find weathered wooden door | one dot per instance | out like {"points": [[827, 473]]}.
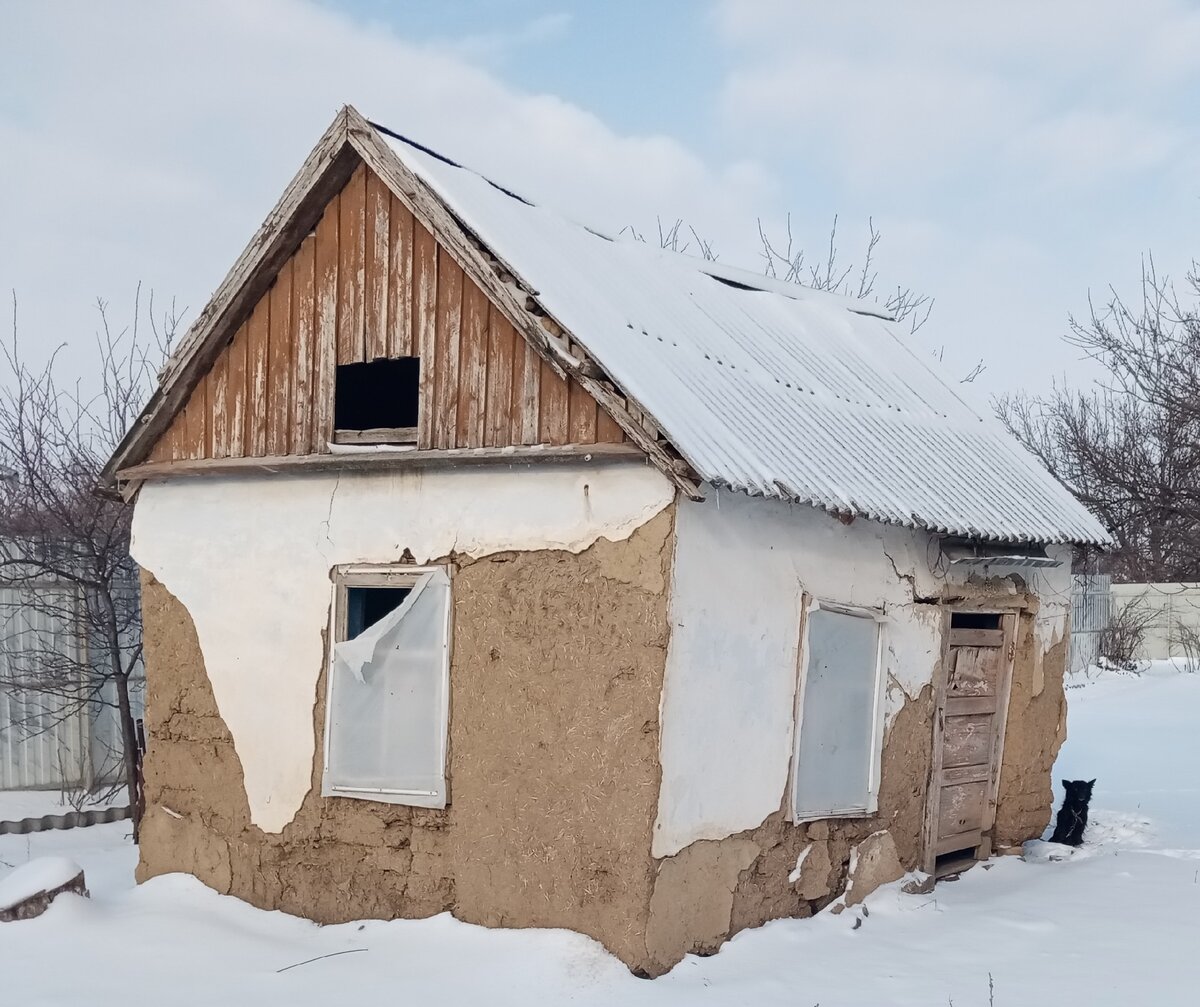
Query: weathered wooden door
{"points": [[968, 738]]}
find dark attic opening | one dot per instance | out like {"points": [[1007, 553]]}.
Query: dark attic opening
{"points": [[365, 606], [376, 402], [975, 620]]}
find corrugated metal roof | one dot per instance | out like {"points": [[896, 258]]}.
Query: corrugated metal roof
{"points": [[779, 390]]}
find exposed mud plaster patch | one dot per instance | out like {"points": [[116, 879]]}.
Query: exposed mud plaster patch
{"points": [[814, 881], [1035, 731], [875, 862], [693, 900], [250, 557], [556, 674], [764, 891]]}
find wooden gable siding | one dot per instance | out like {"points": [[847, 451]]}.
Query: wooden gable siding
{"points": [[370, 281]]}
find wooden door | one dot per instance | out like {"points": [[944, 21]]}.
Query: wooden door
{"points": [[968, 737]]}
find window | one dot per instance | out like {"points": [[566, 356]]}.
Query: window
{"points": [[388, 699], [376, 402], [839, 730]]}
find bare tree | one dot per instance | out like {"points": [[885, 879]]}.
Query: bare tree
{"points": [[785, 260], [1130, 448], [72, 630]]}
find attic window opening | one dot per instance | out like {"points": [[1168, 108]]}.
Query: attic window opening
{"points": [[975, 620], [377, 402]]}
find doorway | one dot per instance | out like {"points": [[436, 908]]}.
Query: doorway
{"points": [[968, 738]]}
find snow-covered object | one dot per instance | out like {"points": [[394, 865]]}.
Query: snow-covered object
{"points": [[766, 387], [44, 874]]}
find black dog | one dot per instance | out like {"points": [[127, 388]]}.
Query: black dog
{"points": [[1072, 818]]}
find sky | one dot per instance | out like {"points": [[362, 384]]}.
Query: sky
{"points": [[1016, 158]]}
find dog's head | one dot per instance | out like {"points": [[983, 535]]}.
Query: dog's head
{"points": [[1079, 789]]}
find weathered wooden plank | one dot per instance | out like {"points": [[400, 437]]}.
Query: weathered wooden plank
{"points": [[959, 841], [377, 435], [967, 740], [303, 327], [325, 328], [976, 637], [528, 404], [974, 671], [445, 364], [498, 407], [552, 419], [962, 808], [425, 288], [195, 440], [961, 706], [218, 379], [400, 280], [608, 430], [166, 448], [280, 361], [966, 774], [376, 268], [352, 212], [257, 335], [522, 455], [581, 415], [236, 391], [472, 368]]}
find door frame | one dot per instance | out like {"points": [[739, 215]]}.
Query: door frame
{"points": [[1009, 610]]}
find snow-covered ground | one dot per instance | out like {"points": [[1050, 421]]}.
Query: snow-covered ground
{"points": [[1117, 923]]}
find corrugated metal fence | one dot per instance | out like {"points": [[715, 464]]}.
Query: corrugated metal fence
{"points": [[1173, 618], [1091, 608], [47, 740]]}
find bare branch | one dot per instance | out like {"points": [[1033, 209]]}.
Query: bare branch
{"points": [[70, 622]]}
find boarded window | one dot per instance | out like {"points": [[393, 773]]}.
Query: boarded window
{"points": [[377, 402], [388, 698], [840, 723]]}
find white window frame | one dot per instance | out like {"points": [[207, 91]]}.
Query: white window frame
{"points": [[875, 769], [385, 575]]}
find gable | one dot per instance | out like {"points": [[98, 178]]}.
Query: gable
{"points": [[371, 282]]}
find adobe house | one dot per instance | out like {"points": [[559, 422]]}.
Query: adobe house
{"points": [[497, 567]]}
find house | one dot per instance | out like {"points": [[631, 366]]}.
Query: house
{"points": [[494, 566]]}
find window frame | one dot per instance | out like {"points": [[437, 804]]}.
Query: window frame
{"points": [[875, 767], [391, 436], [358, 575]]}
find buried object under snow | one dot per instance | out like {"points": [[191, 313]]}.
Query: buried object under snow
{"points": [[28, 891]]}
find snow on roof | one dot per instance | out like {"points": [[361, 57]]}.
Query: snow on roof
{"points": [[776, 390]]}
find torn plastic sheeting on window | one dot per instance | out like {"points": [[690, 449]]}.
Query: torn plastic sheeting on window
{"points": [[354, 655]]}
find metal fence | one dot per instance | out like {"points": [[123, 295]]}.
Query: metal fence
{"points": [[1091, 608], [50, 741], [1173, 618]]}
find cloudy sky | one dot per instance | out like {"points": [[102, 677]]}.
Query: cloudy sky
{"points": [[1014, 156]]}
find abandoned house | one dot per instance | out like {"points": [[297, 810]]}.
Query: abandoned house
{"points": [[495, 566]]}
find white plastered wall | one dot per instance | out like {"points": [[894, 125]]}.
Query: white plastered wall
{"points": [[740, 570], [249, 557]]}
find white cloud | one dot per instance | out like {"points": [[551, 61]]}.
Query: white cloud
{"points": [[929, 92], [148, 140], [1014, 155]]}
